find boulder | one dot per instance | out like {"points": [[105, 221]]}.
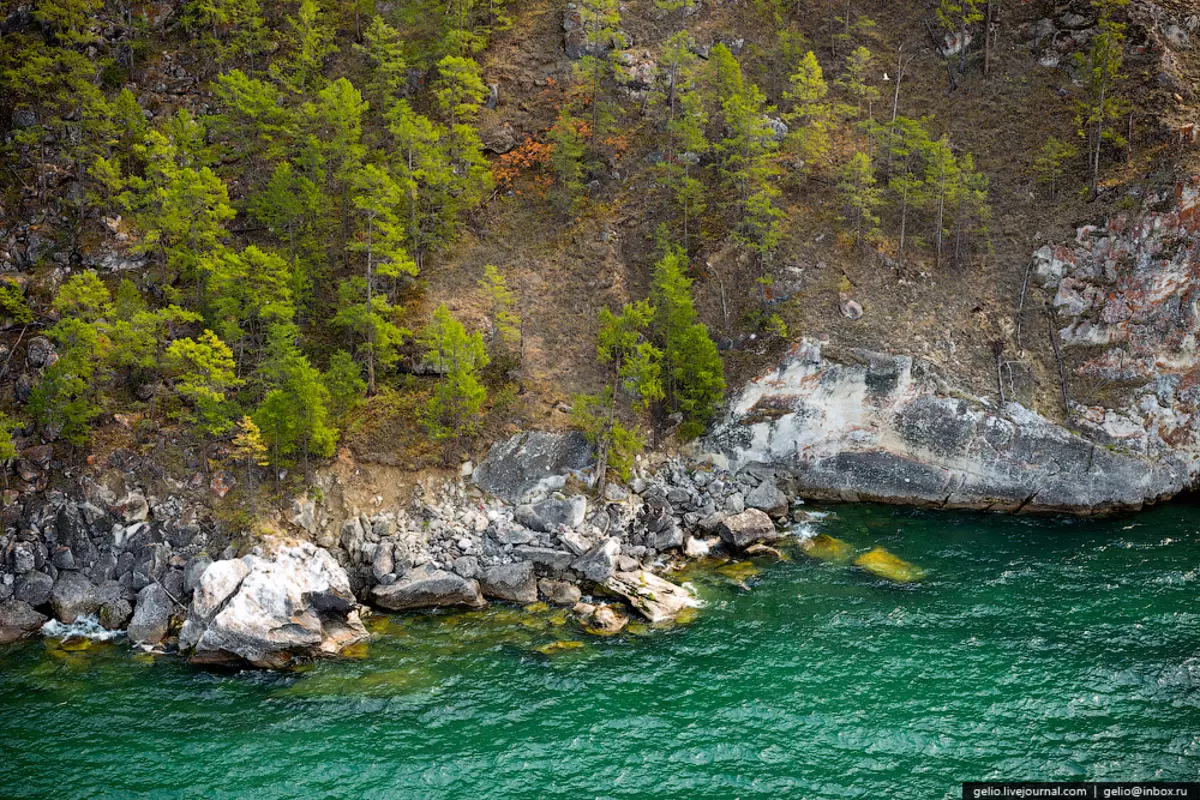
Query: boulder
{"points": [[544, 556], [748, 527], [285, 601], [695, 548], [34, 588], [72, 597], [828, 548], [552, 514], [428, 587], [768, 497], [599, 563], [18, 620], [151, 616], [115, 609], [560, 593], [515, 582], [39, 352], [531, 463], [655, 598]]}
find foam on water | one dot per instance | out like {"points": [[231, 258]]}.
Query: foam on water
{"points": [[88, 627]]}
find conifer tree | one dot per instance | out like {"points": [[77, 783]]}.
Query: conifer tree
{"points": [[810, 115], [308, 41], [597, 69], [1048, 162], [384, 51], [1101, 105], [251, 450], [204, 374], [694, 381], [454, 409], [859, 196], [504, 330]]}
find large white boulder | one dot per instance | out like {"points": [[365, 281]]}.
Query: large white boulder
{"points": [[286, 601]]}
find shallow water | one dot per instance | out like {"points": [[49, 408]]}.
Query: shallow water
{"points": [[1035, 649]]}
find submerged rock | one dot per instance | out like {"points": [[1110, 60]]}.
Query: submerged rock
{"points": [[284, 602], [886, 565], [655, 598], [827, 548], [606, 621], [428, 587]]}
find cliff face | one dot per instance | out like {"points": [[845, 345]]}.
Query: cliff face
{"points": [[867, 426]]}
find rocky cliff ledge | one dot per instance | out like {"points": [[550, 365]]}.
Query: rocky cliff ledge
{"points": [[868, 426]]}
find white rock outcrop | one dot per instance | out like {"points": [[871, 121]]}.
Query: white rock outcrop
{"points": [[286, 601]]}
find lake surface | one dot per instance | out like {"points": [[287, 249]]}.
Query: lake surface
{"points": [[1036, 649]]}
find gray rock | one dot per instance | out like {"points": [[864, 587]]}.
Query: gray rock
{"points": [[194, 572], [18, 619], [24, 558], [151, 616], [515, 536], [467, 566], [748, 527], [560, 593], [428, 587], [133, 507], [768, 497], [515, 582], [668, 538], [599, 563], [115, 609], [39, 352], [552, 514], [72, 597], [576, 542], [34, 588], [544, 556], [384, 561], [735, 503], [63, 558], [531, 462]]}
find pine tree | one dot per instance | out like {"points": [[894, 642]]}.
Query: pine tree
{"points": [[343, 380], [295, 413], [956, 16], [204, 374], [856, 82], [248, 292], [1048, 162], [504, 331], [859, 196], [636, 372], [249, 448], [597, 70], [1101, 105], [453, 411], [257, 127], [694, 374], [377, 201], [308, 41], [8, 451], [685, 122], [566, 157], [335, 119], [384, 51], [810, 116]]}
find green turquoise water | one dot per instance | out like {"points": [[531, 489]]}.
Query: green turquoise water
{"points": [[1036, 649]]}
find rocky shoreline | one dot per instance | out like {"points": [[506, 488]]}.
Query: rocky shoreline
{"points": [[518, 529]]}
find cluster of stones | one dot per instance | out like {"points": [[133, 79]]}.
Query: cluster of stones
{"points": [[512, 534], [103, 548]]}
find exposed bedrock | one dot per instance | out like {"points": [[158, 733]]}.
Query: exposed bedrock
{"points": [[868, 426]]}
